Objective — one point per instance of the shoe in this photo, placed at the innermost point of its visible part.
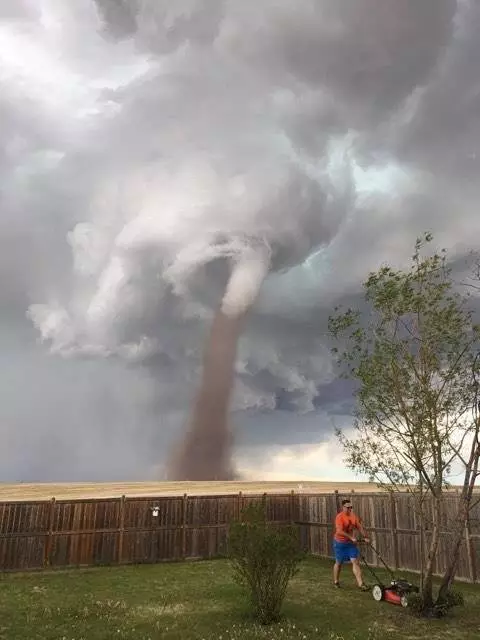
(336, 585)
(364, 587)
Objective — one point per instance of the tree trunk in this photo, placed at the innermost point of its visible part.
(471, 475)
(458, 534)
(449, 575)
(421, 519)
(427, 591)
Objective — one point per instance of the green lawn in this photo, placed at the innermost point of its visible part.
(198, 600)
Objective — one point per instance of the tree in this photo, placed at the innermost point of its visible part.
(413, 353)
(264, 559)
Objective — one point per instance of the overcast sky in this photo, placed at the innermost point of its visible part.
(142, 141)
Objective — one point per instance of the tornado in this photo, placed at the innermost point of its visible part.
(206, 451)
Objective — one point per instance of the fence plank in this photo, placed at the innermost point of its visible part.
(472, 568)
(394, 534)
(184, 526)
(122, 530)
(48, 541)
(374, 558)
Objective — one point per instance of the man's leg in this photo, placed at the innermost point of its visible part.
(357, 571)
(338, 554)
(336, 572)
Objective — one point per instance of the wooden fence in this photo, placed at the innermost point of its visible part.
(54, 534)
(394, 530)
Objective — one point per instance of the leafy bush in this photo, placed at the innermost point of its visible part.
(416, 605)
(453, 599)
(264, 558)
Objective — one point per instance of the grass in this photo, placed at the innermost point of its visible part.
(198, 600)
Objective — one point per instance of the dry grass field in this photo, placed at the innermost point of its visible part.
(71, 491)
(85, 490)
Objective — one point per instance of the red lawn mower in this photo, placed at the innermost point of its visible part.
(397, 591)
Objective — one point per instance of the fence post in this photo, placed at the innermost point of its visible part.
(393, 518)
(48, 541)
(472, 567)
(121, 530)
(184, 526)
(373, 527)
(292, 506)
(337, 500)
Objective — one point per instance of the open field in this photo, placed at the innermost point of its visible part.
(191, 601)
(85, 490)
(71, 491)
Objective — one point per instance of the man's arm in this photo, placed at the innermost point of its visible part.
(361, 528)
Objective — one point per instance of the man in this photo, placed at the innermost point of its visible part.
(345, 543)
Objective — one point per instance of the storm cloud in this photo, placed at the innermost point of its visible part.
(146, 144)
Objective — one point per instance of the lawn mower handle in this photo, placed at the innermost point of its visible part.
(361, 541)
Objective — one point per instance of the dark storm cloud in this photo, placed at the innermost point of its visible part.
(444, 134)
(59, 421)
(273, 92)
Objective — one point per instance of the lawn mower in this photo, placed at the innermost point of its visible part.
(397, 591)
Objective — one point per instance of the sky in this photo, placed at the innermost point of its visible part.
(145, 143)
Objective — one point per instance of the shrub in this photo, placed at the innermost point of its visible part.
(264, 558)
(453, 599)
(416, 605)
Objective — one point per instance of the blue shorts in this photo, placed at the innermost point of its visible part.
(345, 551)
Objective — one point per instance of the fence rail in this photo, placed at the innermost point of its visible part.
(63, 533)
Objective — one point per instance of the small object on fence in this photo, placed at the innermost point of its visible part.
(155, 511)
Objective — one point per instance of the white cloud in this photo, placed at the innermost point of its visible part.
(323, 461)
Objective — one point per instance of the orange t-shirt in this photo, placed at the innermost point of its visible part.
(345, 523)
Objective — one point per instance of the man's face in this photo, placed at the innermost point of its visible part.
(347, 508)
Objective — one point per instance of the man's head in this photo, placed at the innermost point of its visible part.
(347, 506)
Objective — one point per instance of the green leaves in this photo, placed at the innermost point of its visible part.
(413, 353)
(264, 558)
